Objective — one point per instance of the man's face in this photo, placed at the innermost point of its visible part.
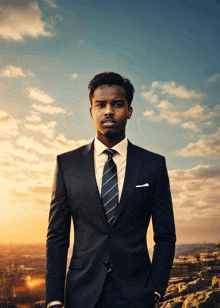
(110, 111)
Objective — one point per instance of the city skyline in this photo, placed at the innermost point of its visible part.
(52, 49)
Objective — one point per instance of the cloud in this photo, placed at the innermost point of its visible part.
(196, 192)
(206, 146)
(27, 167)
(28, 164)
(192, 119)
(39, 95)
(191, 125)
(47, 129)
(51, 3)
(213, 78)
(173, 117)
(194, 112)
(16, 22)
(39, 147)
(199, 112)
(26, 172)
(18, 194)
(9, 150)
(74, 76)
(8, 124)
(48, 109)
(200, 172)
(12, 72)
(41, 189)
(34, 117)
(26, 175)
(148, 113)
(167, 112)
(42, 202)
(201, 148)
(59, 17)
(208, 124)
(165, 105)
(176, 91)
(149, 96)
(30, 73)
(50, 147)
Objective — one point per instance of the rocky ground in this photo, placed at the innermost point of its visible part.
(199, 293)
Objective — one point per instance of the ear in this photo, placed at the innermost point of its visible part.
(130, 110)
(90, 110)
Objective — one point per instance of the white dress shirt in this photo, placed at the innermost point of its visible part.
(100, 159)
(120, 159)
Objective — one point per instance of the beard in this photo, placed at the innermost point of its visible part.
(113, 135)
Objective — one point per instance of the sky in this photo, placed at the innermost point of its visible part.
(170, 52)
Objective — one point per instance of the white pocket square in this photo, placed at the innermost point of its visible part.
(143, 185)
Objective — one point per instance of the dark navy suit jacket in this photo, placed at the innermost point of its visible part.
(96, 244)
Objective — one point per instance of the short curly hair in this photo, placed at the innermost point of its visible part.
(111, 78)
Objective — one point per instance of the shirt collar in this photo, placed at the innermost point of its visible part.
(120, 147)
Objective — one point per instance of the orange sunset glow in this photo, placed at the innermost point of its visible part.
(34, 282)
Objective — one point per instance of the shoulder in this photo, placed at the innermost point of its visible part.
(75, 154)
(152, 162)
(145, 154)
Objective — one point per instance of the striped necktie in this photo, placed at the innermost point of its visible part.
(109, 191)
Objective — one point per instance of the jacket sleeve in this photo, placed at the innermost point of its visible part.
(164, 233)
(57, 239)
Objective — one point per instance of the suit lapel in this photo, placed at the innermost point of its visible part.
(88, 164)
(133, 169)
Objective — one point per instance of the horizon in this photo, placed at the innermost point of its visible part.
(178, 244)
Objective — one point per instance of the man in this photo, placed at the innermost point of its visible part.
(111, 188)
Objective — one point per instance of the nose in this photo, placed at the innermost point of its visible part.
(109, 110)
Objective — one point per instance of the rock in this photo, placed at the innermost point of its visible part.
(196, 285)
(174, 303)
(210, 299)
(171, 292)
(195, 294)
(216, 282)
(182, 288)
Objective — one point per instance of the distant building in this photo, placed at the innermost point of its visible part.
(7, 305)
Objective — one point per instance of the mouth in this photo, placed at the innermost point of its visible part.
(109, 122)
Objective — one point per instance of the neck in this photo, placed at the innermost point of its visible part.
(110, 140)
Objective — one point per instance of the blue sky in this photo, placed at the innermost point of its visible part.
(52, 49)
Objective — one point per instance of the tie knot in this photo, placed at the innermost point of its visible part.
(110, 152)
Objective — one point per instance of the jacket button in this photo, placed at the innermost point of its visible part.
(105, 263)
(110, 235)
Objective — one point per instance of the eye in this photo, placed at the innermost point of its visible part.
(101, 105)
(118, 104)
